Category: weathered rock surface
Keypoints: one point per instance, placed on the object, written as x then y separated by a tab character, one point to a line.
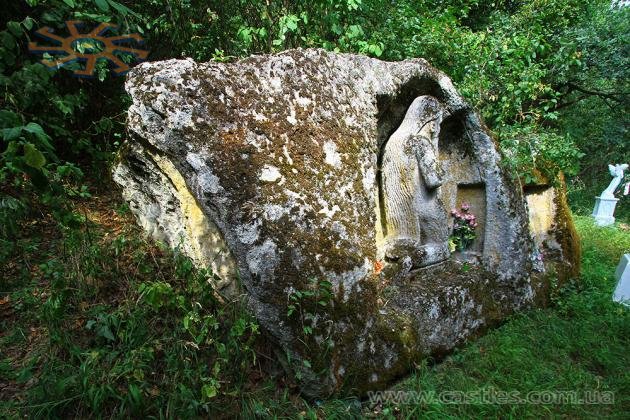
319	186
556	243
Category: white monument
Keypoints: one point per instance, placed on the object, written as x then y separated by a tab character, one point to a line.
622	291
606	202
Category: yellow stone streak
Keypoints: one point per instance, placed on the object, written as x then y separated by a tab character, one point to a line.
206	246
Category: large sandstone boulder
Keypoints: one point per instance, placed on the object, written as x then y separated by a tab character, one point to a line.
320	187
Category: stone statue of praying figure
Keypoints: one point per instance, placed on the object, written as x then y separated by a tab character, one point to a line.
415	223
617	172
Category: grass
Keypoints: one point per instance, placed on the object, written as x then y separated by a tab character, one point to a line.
99	322
581	344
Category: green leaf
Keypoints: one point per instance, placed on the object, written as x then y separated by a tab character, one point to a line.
69	2
292	22
12	149
15	29
35	128
11	133
41	135
28	23
105	332
244	33
208	391
325	284
7	40
354	31
353	4
102	4
134	392
33	157
123	10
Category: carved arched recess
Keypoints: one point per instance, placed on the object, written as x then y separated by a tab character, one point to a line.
428	165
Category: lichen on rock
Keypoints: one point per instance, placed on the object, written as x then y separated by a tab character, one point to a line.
325	181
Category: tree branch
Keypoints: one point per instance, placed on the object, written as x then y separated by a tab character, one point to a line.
606	95
566	104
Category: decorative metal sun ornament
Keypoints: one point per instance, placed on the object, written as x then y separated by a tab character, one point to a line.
88	48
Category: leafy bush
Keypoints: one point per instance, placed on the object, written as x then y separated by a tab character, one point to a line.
125	334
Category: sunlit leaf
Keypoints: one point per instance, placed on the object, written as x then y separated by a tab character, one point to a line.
33	157
102	4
